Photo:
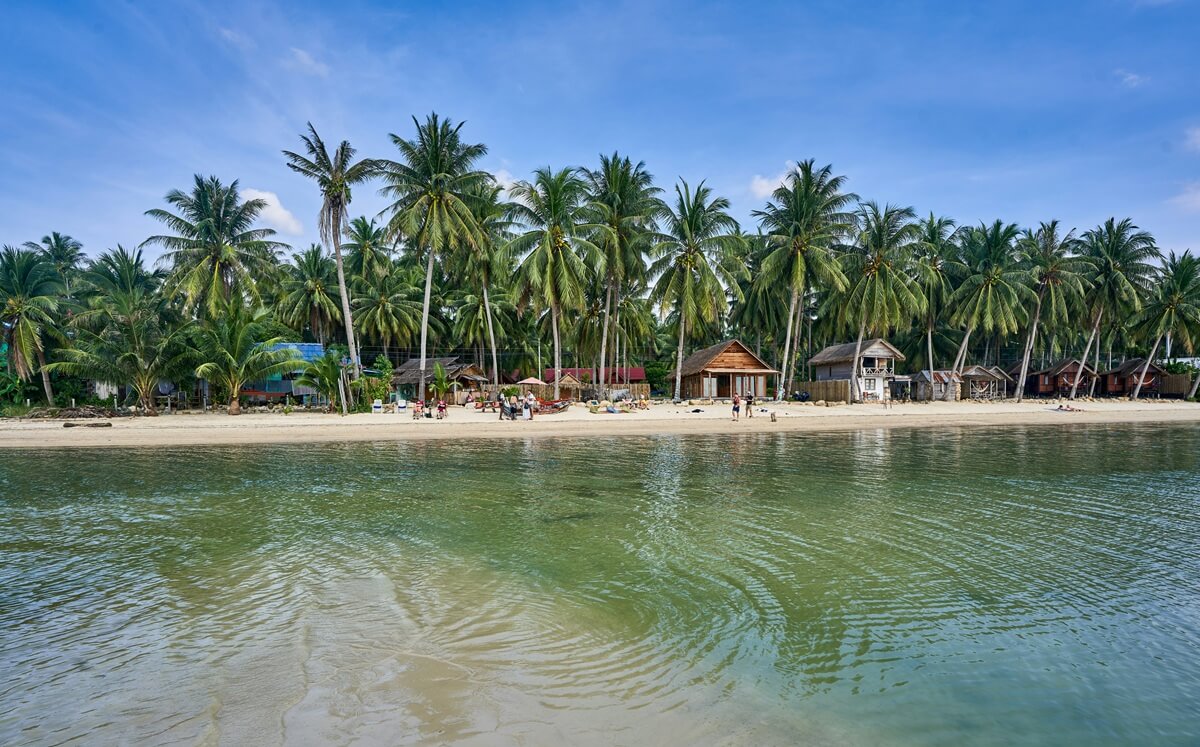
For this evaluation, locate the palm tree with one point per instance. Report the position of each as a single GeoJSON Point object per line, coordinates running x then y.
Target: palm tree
{"type": "Point", "coordinates": [481, 266]}
{"type": "Point", "coordinates": [803, 219]}
{"type": "Point", "coordinates": [62, 251]}
{"type": "Point", "coordinates": [1056, 272]}
{"type": "Point", "coordinates": [882, 292]}
{"type": "Point", "coordinates": [235, 352]}
{"type": "Point", "coordinates": [335, 176]}
{"type": "Point", "coordinates": [367, 250]}
{"type": "Point", "coordinates": [127, 339]}
{"type": "Point", "coordinates": [693, 262]}
{"type": "Point", "coordinates": [324, 375]}
{"type": "Point", "coordinates": [557, 247]}
{"type": "Point", "coordinates": [1120, 256]}
{"type": "Point", "coordinates": [938, 266]}
{"type": "Point", "coordinates": [386, 309]}
{"type": "Point", "coordinates": [308, 293]}
{"type": "Point", "coordinates": [625, 200]}
{"type": "Point", "coordinates": [120, 271]}
{"type": "Point", "coordinates": [992, 295]}
{"type": "Point", "coordinates": [215, 252]}
{"type": "Point", "coordinates": [29, 291]}
{"type": "Point", "coordinates": [1173, 309]}
{"type": "Point", "coordinates": [431, 185]}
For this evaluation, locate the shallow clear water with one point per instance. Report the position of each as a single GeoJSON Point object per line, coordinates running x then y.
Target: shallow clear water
{"type": "Point", "coordinates": [944, 587]}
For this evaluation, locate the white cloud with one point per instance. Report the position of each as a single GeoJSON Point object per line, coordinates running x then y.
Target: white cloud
{"type": "Point", "coordinates": [234, 38]}
{"type": "Point", "coordinates": [304, 62]}
{"type": "Point", "coordinates": [762, 186]}
{"type": "Point", "coordinates": [1128, 79]}
{"type": "Point", "coordinates": [504, 178]}
{"type": "Point", "coordinates": [275, 214]}
{"type": "Point", "coordinates": [1191, 139]}
{"type": "Point", "coordinates": [1189, 199]}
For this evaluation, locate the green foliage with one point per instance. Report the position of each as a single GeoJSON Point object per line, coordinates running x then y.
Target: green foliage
{"type": "Point", "coordinates": [440, 385]}
{"type": "Point", "coordinates": [236, 351]}
{"type": "Point", "coordinates": [1179, 367]}
{"type": "Point", "coordinates": [323, 375]}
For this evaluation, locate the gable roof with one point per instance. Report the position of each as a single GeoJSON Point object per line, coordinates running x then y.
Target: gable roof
{"type": "Point", "coordinates": [845, 352]}
{"type": "Point", "coordinates": [1063, 365]}
{"type": "Point", "coordinates": [636, 373]}
{"type": "Point", "coordinates": [699, 360]}
{"type": "Point", "coordinates": [409, 372]}
{"type": "Point", "coordinates": [1133, 366]}
{"type": "Point", "coordinates": [994, 373]}
{"type": "Point", "coordinates": [942, 376]}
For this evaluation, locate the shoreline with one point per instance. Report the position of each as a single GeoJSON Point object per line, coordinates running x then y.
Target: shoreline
{"type": "Point", "coordinates": [663, 419]}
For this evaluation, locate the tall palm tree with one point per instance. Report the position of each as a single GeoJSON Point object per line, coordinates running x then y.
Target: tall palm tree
{"type": "Point", "coordinates": [882, 289]}
{"type": "Point", "coordinates": [993, 294]}
{"type": "Point", "coordinates": [215, 252]}
{"type": "Point", "coordinates": [488, 264]}
{"type": "Point", "coordinates": [387, 310]}
{"type": "Point", "coordinates": [367, 250]}
{"type": "Point", "coordinates": [236, 350]}
{"type": "Point", "coordinates": [802, 221]}
{"type": "Point", "coordinates": [431, 187]}
{"type": "Point", "coordinates": [1056, 272]}
{"type": "Point", "coordinates": [309, 294]}
{"type": "Point", "coordinates": [121, 271]}
{"type": "Point", "coordinates": [938, 267]}
{"type": "Point", "coordinates": [29, 292]}
{"type": "Point", "coordinates": [335, 176]}
{"type": "Point", "coordinates": [62, 251]}
{"type": "Point", "coordinates": [693, 263]}
{"type": "Point", "coordinates": [1173, 309]}
{"type": "Point", "coordinates": [1120, 255]}
{"type": "Point", "coordinates": [556, 245]}
{"type": "Point", "coordinates": [625, 200]}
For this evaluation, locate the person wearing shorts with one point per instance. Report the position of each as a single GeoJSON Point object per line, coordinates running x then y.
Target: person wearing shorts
{"type": "Point", "coordinates": [737, 406]}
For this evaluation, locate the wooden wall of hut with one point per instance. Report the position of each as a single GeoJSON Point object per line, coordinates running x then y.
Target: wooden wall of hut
{"type": "Point", "coordinates": [1174, 385]}
{"type": "Point", "coordinates": [830, 390]}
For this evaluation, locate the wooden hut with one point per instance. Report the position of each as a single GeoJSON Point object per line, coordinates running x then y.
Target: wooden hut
{"type": "Point", "coordinates": [723, 370]}
{"type": "Point", "coordinates": [1121, 381]}
{"type": "Point", "coordinates": [464, 377]}
{"type": "Point", "coordinates": [982, 382]}
{"type": "Point", "coordinates": [876, 366]}
{"type": "Point", "coordinates": [943, 385]}
{"type": "Point", "coordinates": [1057, 379]}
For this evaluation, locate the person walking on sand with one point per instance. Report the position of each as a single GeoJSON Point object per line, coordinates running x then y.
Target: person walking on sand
{"type": "Point", "coordinates": [737, 406]}
{"type": "Point", "coordinates": [750, 405]}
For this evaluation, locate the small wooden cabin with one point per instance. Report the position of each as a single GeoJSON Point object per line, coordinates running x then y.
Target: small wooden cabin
{"type": "Point", "coordinates": [723, 370]}
{"type": "Point", "coordinates": [1121, 381]}
{"type": "Point", "coordinates": [876, 364]}
{"type": "Point", "coordinates": [1056, 380]}
{"type": "Point", "coordinates": [929, 386]}
{"type": "Point", "coordinates": [982, 382]}
{"type": "Point", "coordinates": [464, 377]}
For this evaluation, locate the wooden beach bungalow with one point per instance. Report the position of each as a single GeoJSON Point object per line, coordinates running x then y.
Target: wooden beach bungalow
{"type": "Point", "coordinates": [464, 377]}
{"type": "Point", "coordinates": [985, 383]}
{"type": "Point", "coordinates": [723, 370]}
{"type": "Point", "coordinates": [1121, 381]}
{"type": "Point", "coordinates": [938, 385]}
{"type": "Point", "coordinates": [876, 366]}
{"type": "Point", "coordinates": [1056, 380]}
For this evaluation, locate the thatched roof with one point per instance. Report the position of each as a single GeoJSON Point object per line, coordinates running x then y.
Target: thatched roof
{"type": "Point", "coordinates": [700, 360]}
{"type": "Point", "coordinates": [943, 376]}
{"type": "Point", "coordinates": [844, 353]}
{"type": "Point", "coordinates": [1133, 367]}
{"type": "Point", "coordinates": [409, 372]}
{"type": "Point", "coordinates": [994, 373]}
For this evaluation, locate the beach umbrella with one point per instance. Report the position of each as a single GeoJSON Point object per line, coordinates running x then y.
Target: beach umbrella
{"type": "Point", "coordinates": [531, 381]}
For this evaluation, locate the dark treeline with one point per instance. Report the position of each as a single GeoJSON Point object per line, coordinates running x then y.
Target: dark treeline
{"type": "Point", "coordinates": [583, 266]}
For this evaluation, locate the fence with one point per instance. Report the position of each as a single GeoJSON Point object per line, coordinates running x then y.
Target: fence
{"type": "Point", "coordinates": [1175, 385]}
{"type": "Point", "coordinates": [832, 390]}
{"type": "Point", "coordinates": [546, 391]}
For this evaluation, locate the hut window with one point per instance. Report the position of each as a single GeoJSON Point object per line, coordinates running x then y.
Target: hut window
{"type": "Point", "coordinates": [710, 387]}
{"type": "Point", "coordinates": [869, 384]}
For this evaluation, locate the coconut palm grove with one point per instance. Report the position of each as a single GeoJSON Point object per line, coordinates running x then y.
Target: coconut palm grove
{"type": "Point", "coordinates": [594, 266]}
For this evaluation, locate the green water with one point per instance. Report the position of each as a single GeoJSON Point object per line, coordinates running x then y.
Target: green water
{"type": "Point", "coordinates": [902, 587]}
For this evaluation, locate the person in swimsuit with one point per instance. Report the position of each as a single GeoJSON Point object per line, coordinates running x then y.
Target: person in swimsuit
{"type": "Point", "coordinates": [737, 406]}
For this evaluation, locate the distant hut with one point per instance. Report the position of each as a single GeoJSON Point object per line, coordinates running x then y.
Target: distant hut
{"type": "Point", "coordinates": [876, 366]}
{"type": "Point", "coordinates": [940, 385]}
{"type": "Point", "coordinates": [723, 370]}
{"type": "Point", "coordinates": [1058, 379]}
{"type": "Point", "coordinates": [464, 377]}
{"type": "Point", "coordinates": [1121, 381]}
{"type": "Point", "coordinates": [984, 383]}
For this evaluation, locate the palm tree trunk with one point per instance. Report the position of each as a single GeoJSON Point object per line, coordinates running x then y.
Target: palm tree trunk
{"type": "Point", "coordinates": [557, 349]}
{"type": "Point", "coordinates": [784, 367]}
{"type": "Point", "coordinates": [929, 355]}
{"type": "Point", "coordinates": [425, 321]}
{"type": "Point", "coordinates": [1033, 328]}
{"type": "Point", "coordinates": [959, 359]}
{"type": "Point", "coordinates": [487, 308]}
{"type": "Point", "coordinates": [855, 392]}
{"type": "Point", "coordinates": [1092, 386]}
{"type": "Point", "coordinates": [41, 356]}
{"type": "Point", "coordinates": [1195, 386]}
{"type": "Point", "coordinates": [1153, 352]}
{"type": "Point", "coordinates": [335, 233]}
{"type": "Point", "coordinates": [235, 406]}
{"type": "Point", "coordinates": [679, 358]}
{"type": "Point", "coordinates": [604, 339]}
{"type": "Point", "coordinates": [795, 344]}
{"type": "Point", "coordinates": [1087, 349]}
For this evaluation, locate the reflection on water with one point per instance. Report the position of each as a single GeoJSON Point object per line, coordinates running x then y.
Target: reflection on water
{"type": "Point", "coordinates": [871, 587]}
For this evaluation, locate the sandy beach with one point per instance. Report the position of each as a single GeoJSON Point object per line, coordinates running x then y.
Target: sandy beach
{"type": "Point", "coordinates": [222, 429]}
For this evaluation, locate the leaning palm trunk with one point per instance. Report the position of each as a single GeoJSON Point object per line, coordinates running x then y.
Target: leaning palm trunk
{"type": "Point", "coordinates": [855, 392]}
{"type": "Point", "coordinates": [1033, 328]}
{"type": "Point", "coordinates": [557, 348]}
{"type": "Point", "coordinates": [1137, 389]}
{"type": "Point", "coordinates": [41, 356]}
{"type": "Point", "coordinates": [959, 360]}
{"type": "Point", "coordinates": [785, 365]}
{"type": "Point", "coordinates": [1087, 349]}
{"type": "Point", "coordinates": [345, 293]}
{"type": "Point", "coordinates": [1096, 366]}
{"type": "Point", "coordinates": [425, 320]}
{"type": "Point", "coordinates": [487, 309]}
{"type": "Point", "coordinates": [604, 343]}
{"type": "Point", "coordinates": [679, 359]}
{"type": "Point", "coordinates": [1195, 386]}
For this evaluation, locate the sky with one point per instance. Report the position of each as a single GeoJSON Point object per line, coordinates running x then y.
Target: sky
{"type": "Point", "coordinates": [1022, 111]}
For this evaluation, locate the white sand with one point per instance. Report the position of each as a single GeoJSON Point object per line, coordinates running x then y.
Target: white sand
{"type": "Point", "coordinates": [183, 429]}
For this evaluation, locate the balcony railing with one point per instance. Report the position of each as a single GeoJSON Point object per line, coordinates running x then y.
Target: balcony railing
{"type": "Point", "coordinates": [876, 371]}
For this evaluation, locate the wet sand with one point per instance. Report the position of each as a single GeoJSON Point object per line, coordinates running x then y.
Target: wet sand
{"type": "Point", "coordinates": [309, 427]}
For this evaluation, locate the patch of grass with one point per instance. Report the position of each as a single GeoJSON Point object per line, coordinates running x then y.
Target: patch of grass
{"type": "Point", "coordinates": [15, 411]}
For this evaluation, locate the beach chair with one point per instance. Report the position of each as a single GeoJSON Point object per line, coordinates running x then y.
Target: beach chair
{"type": "Point", "coordinates": [377, 407]}
{"type": "Point", "coordinates": [401, 405]}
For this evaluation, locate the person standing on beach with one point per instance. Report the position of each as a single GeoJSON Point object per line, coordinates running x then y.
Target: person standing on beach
{"type": "Point", "coordinates": [750, 405]}
{"type": "Point", "coordinates": [737, 406]}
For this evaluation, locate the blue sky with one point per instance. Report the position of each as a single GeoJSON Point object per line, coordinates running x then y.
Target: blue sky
{"type": "Point", "coordinates": [1012, 110]}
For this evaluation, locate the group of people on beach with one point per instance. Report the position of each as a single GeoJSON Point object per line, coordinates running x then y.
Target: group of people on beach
{"type": "Point", "coordinates": [737, 406]}
{"type": "Point", "coordinates": [419, 409]}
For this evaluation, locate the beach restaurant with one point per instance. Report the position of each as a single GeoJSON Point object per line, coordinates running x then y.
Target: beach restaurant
{"type": "Point", "coordinates": [722, 370]}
